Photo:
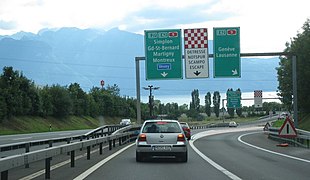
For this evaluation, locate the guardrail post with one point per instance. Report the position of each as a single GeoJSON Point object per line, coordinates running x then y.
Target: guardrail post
{"type": "Point", "coordinates": [120, 141]}
{"type": "Point", "coordinates": [5, 175]}
{"type": "Point", "coordinates": [81, 139]}
{"type": "Point", "coordinates": [110, 144]}
{"type": "Point", "coordinates": [100, 148]}
{"type": "Point", "coordinates": [27, 149]}
{"type": "Point", "coordinates": [72, 158]}
{"type": "Point", "coordinates": [124, 139]}
{"type": "Point", "coordinates": [113, 142]}
{"type": "Point", "coordinates": [50, 143]}
{"type": "Point", "coordinates": [48, 168]}
{"type": "Point", "coordinates": [88, 152]}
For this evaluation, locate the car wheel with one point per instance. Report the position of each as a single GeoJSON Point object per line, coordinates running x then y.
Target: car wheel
{"type": "Point", "coordinates": [138, 157]}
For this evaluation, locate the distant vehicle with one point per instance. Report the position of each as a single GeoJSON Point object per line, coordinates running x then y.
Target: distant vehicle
{"type": "Point", "coordinates": [186, 130]}
{"type": "Point", "coordinates": [232, 124]}
{"type": "Point", "coordinates": [161, 139]}
{"type": "Point", "coordinates": [283, 115]}
{"type": "Point", "coordinates": [125, 122]}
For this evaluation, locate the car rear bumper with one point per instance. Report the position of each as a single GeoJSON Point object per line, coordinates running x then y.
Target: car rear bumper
{"type": "Point", "coordinates": [172, 148]}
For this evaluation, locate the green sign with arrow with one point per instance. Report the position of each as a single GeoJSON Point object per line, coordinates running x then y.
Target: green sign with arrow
{"type": "Point", "coordinates": [163, 52]}
{"type": "Point", "coordinates": [233, 99]}
{"type": "Point", "coordinates": [226, 43]}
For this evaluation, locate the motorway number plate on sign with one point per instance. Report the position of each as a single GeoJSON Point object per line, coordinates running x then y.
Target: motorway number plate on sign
{"type": "Point", "coordinates": [161, 148]}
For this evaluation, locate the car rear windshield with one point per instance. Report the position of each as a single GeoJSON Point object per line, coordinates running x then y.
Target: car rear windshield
{"type": "Point", "coordinates": [161, 127]}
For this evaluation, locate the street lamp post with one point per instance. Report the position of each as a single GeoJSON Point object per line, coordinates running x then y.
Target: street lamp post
{"type": "Point", "coordinates": [151, 98]}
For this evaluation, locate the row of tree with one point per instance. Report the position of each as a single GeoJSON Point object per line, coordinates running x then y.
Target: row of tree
{"type": "Point", "coordinates": [299, 46]}
{"type": "Point", "coordinates": [20, 96]}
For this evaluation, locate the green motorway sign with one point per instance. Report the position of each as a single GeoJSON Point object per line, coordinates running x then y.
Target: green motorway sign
{"type": "Point", "coordinates": [233, 99]}
{"type": "Point", "coordinates": [226, 45]}
{"type": "Point", "coordinates": [163, 53]}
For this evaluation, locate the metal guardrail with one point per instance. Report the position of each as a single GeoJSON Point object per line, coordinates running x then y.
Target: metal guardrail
{"type": "Point", "coordinates": [302, 139]}
{"type": "Point", "coordinates": [100, 131]}
{"type": "Point", "coordinates": [205, 126]}
{"type": "Point", "coordinates": [123, 135]}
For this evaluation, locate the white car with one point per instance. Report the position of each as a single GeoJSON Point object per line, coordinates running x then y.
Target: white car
{"type": "Point", "coordinates": [232, 124]}
{"type": "Point", "coordinates": [161, 139]}
{"type": "Point", "coordinates": [283, 115]}
{"type": "Point", "coordinates": [125, 122]}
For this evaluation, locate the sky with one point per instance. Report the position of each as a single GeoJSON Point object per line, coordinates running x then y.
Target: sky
{"type": "Point", "coordinates": [265, 25]}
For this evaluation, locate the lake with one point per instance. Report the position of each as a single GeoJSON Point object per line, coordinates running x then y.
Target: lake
{"type": "Point", "coordinates": [186, 99]}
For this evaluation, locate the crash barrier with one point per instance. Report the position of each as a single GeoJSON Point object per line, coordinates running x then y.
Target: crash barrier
{"type": "Point", "coordinates": [205, 126]}
{"type": "Point", "coordinates": [98, 132]}
{"type": "Point", "coordinates": [302, 139]}
{"type": "Point", "coordinates": [123, 135]}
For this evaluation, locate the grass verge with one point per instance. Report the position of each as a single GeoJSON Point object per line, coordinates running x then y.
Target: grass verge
{"type": "Point", "coordinates": [30, 124]}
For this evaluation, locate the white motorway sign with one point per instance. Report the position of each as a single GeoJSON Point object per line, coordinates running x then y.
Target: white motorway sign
{"type": "Point", "coordinates": [196, 53]}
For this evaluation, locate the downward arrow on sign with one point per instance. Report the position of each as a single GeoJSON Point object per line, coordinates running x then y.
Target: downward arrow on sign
{"type": "Point", "coordinates": [164, 74]}
{"type": "Point", "coordinates": [197, 73]}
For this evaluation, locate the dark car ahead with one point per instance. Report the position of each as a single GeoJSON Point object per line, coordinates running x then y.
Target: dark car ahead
{"type": "Point", "coordinates": [161, 139]}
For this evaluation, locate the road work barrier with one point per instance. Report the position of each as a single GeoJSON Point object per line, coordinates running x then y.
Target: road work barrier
{"type": "Point", "coordinates": [302, 139]}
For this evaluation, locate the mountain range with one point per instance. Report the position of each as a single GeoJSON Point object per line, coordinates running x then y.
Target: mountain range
{"type": "Point", "coordinates": [87, 56]}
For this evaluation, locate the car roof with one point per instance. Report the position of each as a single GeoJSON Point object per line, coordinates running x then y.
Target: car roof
{"type": "Point", "coordinates": [158, 120]}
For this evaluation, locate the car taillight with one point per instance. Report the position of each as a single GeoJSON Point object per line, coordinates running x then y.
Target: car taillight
{"type": "Point", "coordinates": [181, 137]}
{"type": "Point", "coordinates": [142, 137]}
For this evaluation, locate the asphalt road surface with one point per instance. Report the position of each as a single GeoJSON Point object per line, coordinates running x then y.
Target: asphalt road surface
{"type": "Point", "coordinates": [228, 155]}
{"type": "Point", "coordinates": [224, 153]}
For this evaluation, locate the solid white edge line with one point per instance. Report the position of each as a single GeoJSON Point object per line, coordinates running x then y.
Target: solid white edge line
{"type": "Point", "coordinates": [269, 151]}
{"type": "Point", "coordinates": [99, 164]}
{"type": "Point", "coordinates": [214, 164]}
{"type": "Point", "coordinates": [41, 172]}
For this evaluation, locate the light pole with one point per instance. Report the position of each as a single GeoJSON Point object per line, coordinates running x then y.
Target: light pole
{"type": "Point", "coordinates": [151, 98]}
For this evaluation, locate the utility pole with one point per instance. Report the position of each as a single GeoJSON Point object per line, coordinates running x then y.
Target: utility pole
{"type": "Point", "coordinates": [151, 98]}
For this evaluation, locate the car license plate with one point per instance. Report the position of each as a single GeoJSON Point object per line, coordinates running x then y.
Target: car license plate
{"type": "Point", "coordinates": [162, 148]}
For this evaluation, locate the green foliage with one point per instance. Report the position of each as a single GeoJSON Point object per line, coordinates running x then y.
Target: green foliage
{"type": "Point", "coordinates": [299, 46]}
{"type": "Point", "coordinates": [194, 104]}
{"type": "Point", "coordinates": [208, 104]}
{"type": "Point", "coordinates": [18, 94]}
{"type": "Point", "coordinates": [239, 112]}
{"type": "Point", "coordinates": [231, 112]}
{"type": "Point", "coordinates": [216, 103]}
{"type": "Point", "coordinates": [61, 101]}
{"type": "Point", "coordinates": [19, 97]}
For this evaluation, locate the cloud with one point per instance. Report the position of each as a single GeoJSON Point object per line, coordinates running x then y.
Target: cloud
{"type": "Point", "coordinates": [156, 17]}
{"type": "Point", "coordinates": [7, 25]}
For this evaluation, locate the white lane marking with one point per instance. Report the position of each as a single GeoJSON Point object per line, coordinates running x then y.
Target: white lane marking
{"type": "Point", "coordinates": [210, 161]}
{"type": "Point", "coordinates": [99, 164]}
{"type": "Point", "coordinates": [41, 172]}
{"type": "Point", "coordinates": [269, 151]}
{"type": "Point", "coordinates": [214, 164]}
